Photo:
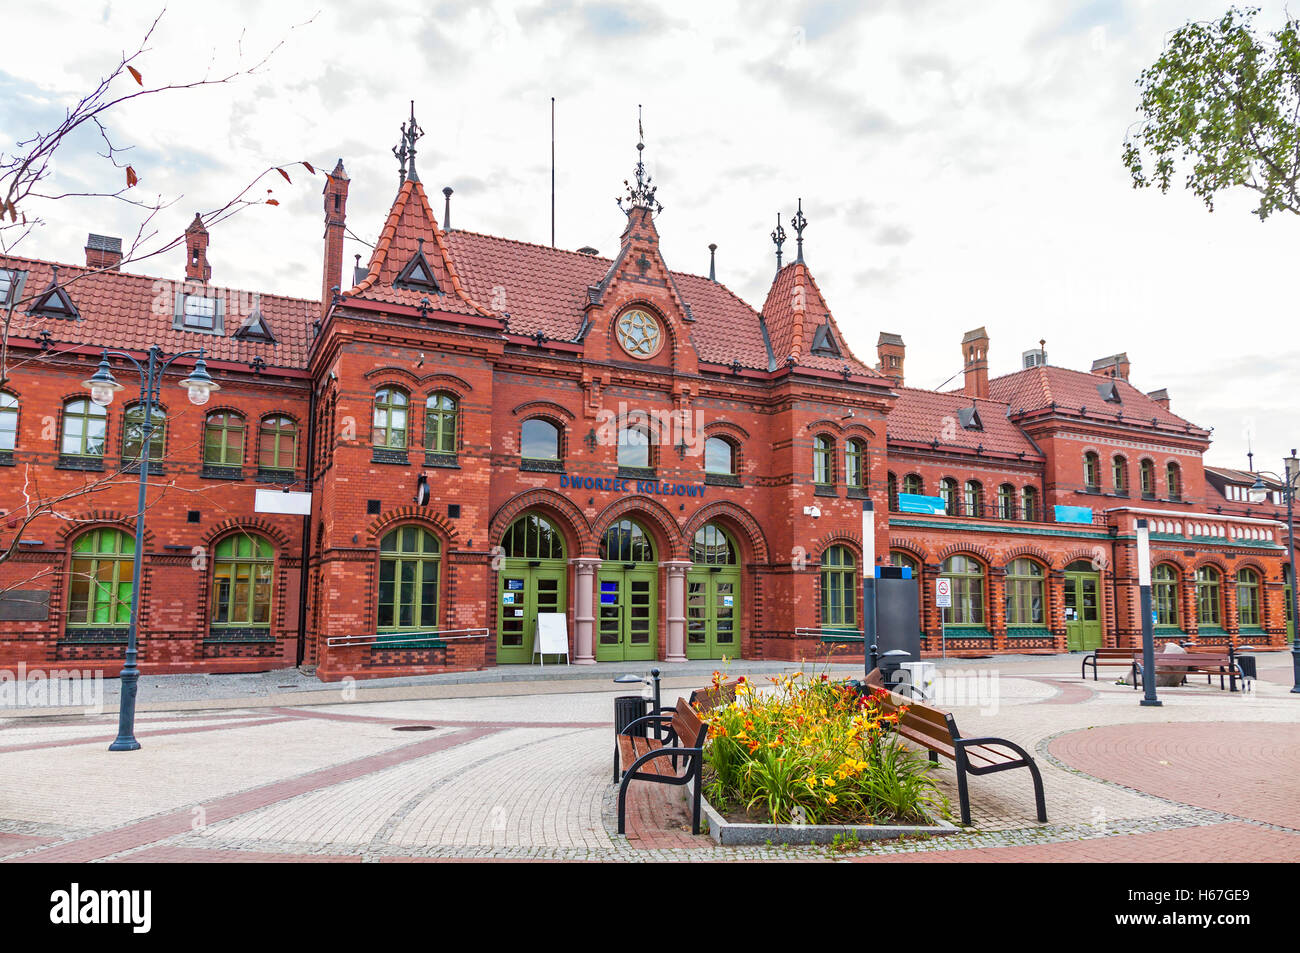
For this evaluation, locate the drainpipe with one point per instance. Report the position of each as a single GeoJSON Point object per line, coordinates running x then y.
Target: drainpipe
{"type": "Point", "coordinates": [306, 530]}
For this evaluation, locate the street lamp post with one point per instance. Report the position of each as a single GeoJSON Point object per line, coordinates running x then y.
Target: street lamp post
{"type": "Point", "coordinates": [1258, 494]}
{"type": "Point", "coordinates": [1149, 699]}
{"type": "Point", "coordinates": [102, 387]}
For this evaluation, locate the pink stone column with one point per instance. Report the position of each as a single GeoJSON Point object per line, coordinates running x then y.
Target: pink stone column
{"type": "Point", "coordinates": [676, 610]}
{"type": "Point", "coordinates": [584, 621]}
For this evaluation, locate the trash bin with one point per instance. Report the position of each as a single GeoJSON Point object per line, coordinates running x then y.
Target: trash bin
{"type": "Point", "coordinates": [627, 709]}
{"type": "Point", "coordinates": [1248, 668]}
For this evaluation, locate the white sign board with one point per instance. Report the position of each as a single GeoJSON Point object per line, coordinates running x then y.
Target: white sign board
{"type": "Point", "coordinates": [290, 502]}
{"type": "Point", "coordinates": [552, 635]}
{"type": "Point", "coordinates": [943, 593]}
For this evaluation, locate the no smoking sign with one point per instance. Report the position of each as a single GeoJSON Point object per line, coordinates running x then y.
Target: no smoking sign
{"type": "Point", "coordinates": [943, 593]}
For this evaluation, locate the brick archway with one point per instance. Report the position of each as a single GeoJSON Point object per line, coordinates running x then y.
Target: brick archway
{"type": "Point", "coordinates": [735, 518]}
{"type": "Point", "coordinates": [653, 515]}
{"type": "Point", "coordinates": [568, 518]}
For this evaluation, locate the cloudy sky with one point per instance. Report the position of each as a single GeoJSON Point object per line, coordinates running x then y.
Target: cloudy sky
{"type": "Point", "coordinates": [959, 163]}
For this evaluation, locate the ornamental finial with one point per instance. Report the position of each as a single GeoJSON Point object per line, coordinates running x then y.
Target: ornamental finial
{"type": "Point", "coordinates": [641, 195]}
{"type": "Point", "coordinates": [799, 223]}
{"type": "Point", "coordinates": [778, 238]}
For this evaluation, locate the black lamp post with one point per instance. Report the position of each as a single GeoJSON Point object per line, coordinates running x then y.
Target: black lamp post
{"type": "Point", "coordinates": [1258, 494]}
{"type": "Point", "coordinates": [102, 387]}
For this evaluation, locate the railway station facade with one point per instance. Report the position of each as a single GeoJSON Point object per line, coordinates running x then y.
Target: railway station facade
{"type": "Point", "coordinates": [479, 429]}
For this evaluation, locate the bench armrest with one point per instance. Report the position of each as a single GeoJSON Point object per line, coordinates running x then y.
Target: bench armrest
{"type": "Point", "coordinates": [964, 742]}
{"type": "Point", "coordinates": [647, 719]}
{"type": "Point", "coordinates": [664, 753]}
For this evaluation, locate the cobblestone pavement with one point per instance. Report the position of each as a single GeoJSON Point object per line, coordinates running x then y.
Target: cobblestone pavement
{"type": "Point", "coordinates": [522, 771]}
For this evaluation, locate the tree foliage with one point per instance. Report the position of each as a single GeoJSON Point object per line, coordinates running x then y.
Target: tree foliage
{"type": "Point", "coordinates": [1224, 105]}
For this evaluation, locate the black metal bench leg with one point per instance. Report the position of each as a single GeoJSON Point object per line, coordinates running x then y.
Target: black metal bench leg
{"type": "Point", "coordinates": [934, 757]}
{"type": "Point", "coordinates": [695, 807]}
{"type": "Point", "coordinates": [616, 761]}
{"type": "Point", "coordinates": [1038, 792]}
{"type": "Point", "coordinates": [963, 795]}
{"type": "Point", "coordinates": [622, 805]}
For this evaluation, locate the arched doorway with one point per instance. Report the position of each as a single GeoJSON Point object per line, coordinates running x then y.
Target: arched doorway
{"type": "Point", "coordinates": [1082, 607]}
{"type": "Point", "coordinates": [627, 595]}
{"type": "Point", "coordinates": [533, 579]}
{"type": "Point", "coordinates": [713, 595]}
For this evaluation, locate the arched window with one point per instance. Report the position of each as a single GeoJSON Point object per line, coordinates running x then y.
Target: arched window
{"type": "Point", "coordinates": [948, 493]}
{"type": "Point", "coordinates": [1147, 473]}
{"type": "Point", "coordinates": [626, 542]}
{"type": "Point", "coordinates": [967, 578]}
{"type": "Point", "coordinates": [855, 458]}
{"type": "Point", "coordinates": [1025, 592]}
{"type": "Point", "coordinates": [99, 584]}
{"type": "Point", "coordinates": [1029, 503]}
{"type": "Point", "coordinates": [892, 490]}
{"type": "Point", "coordinates": [897, 558]}
{"type": "Point", "coordinates": [1174, 481]}
{"type": "Point", "coordinates": [390, 418]}
{"type": "Point", "coordinates": [912, 483]}
{"type": "Point", "coordinates": [1091, 472]}
{"type": "Point", "coordinates": [409, 560]}
{"type": "Point", "coordinates": [974, 498]}
{"type": "Point", "coordinates": [533, 537]}
{"type": "Point", "coordinates": [1164, 593]}
{"type": "Point", "coordinates": [719, 456]}
{"type": "Point", "coordinates": [712, 547]}
{"type": "Point", "coordinates": [277, 447]}
{"type": "Point", "coordinates": [133, 434]}
{"type": "Point", "coordinates": [1119, 474]}
{"type": "Point", "coordinates": [1209, 607]}
{"type": "Point", "coordinates": [8, 421]}
{"type": "Point", "coordinates": [85, 429]}
{"type": "Point", "coordinates": [1248, 614]}
{"type": "Point", "coordinates": [539, 440]}
{"type": "Point", "coordinates": [243, 567]}
{"type": "Point", "coordinates": [440, 423]}
{"type": "Point", "coordinates": [633, 448]}
{"type": "Point", "coordinates": [823, 460]}
{"type": "Point", "coordinates": [1006, 502]}
{"type": "Point", "coordinates": [839, 578]}
{"type": "Point", "coordinates": [223, 439]}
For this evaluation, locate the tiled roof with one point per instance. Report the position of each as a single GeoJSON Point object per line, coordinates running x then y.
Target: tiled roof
{"type": "Point", "coordinates": [1240, 476]}
{"type": "Point", "coordinates": [794, 310]}
{"type": "Point", "coordinates": [1038, 387]}
{"type": "Point", "coordinates": [923, 416]}
{"type": "Point", "coordinates": [133, 312]}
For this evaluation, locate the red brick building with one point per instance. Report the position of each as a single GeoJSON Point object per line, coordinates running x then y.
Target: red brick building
{"type": "Point", "coordinates": [489, 429]}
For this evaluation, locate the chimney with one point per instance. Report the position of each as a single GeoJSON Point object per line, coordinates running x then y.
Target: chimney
{"type": "Point", "coordinates": [196, 251]}
{"type": "Point", "coordinates": [103, 252]}
{"type": "Point", "coordinates": [890, 352]}
{"type": "Point", "coordinates": [975, 358]}
{"type": "Point", "coordinates": [1161, 397]}
{"type": "Point", "coordinates": [336, 210]}
{"type": "Point", "coordinates": [1114, 366]}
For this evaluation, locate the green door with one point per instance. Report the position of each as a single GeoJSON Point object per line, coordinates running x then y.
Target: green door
{"type": "Point", "coordinates": [1082, 611]}
{"type": "Point", "coordinates": [533, 579]}
{"type": "Point", "coordinates": [712, 614]}
{"type": "Point", "coordinates": [626, 615]}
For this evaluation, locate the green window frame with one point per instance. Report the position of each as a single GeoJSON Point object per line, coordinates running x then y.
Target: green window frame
{"type": "Point", "coordinates": [441, 423]}
{"type": "Point", "coordinates": [243, 570]}
{"type": "Point", "coordinates": [948, 493]}
{"type": "Point", "coordinates": [1147, 474]}
{"type": "Point", "coordinates": [967, 578]}
{"type": "Point", "coordinates": [855, 452]}
{"type": "Point", "coordinates": [8, 421]}
{"type": "Point", "coordinates": [1248, 604]}
{"type": "Point", "coordinates": [719, 456]}
{"type": "Point", "coordinates": [1092, 472]}
{"type": "Point", "coordinates": [823, 460]}
{"type": "Point", "coordinates": [390, 418]}
{"type": "Point", "coordinates": [839, 579]}
{"type": "Point", "coordinates": [410, 559]}
{"type": "Point", "coordinates": [1029, 503]}
{"type": "Point", "coordinates": [973, 496]}
{"type": "Point", "coordinates": [100, 579]}
{"type": "Point", "coordinates": [912, 483]}
{"type": "Point", "coordinates": [1006, 502]}
{"type": "Point", "coordinates": [133, 434]}
{"type": "Point", "coordinates": [1119, 474]}
{"type": "Point", "coordinates": [1209, 606]}
{"type": "Point", "coordinates": [712, 546]}
{"type": "Point", "coordinates": [1025, 602]}
{"type": "Point", "coordinates": [1174, 481]}
{"type": "Point", "coordinates": [1164, 594]}
{"type": "Point", "coordinates": [891, 489]}
{"type": "Point", "coordinates": [85, 429]}
{"type": "Point", "coordinates": [277, 443]}
{"type": "Point", "coordinates": [533, 537]}
{"type": "Point", "coordinates": [224, 432]}
{"type": "Point", "coordinates": [626, 542]}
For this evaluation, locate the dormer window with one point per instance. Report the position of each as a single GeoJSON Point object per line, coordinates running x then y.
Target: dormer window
{"type": "Point", "coordinates": [199, 312]}
{"type": "Point", "coordinates": [824, 343]}
{"type": "Point", "coordinates": [1110, 392]}
{"type": "Point", "coordinates": [418, 273]}
{"type": "Point", "coordinates": [55, 303]}
{"type": "Point", "coordinates": [969, 418]}
{"type": "Point", "coordinates": [11, 286]}
{"type": "Point", "coordinates": [255, 327]}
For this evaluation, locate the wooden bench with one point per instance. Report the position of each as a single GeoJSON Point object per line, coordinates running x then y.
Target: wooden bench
{"type": "Point", "coordinates": [936, 731]}
{"type": "Point", "coordinates": [651, 759]}
{"type": "Point", "coordinates": [1122, 657]}
{"type": "Point", "coordinates": [715, 696]}
{"type": "Point", "coordinates": [1209, 664]}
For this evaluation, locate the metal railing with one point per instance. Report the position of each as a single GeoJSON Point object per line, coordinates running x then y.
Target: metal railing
{"type": "Point", "coordinates": [431, 635]}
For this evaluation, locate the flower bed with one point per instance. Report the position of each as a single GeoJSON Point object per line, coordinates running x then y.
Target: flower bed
{"type": "Point", "coordinates": [813, 751]}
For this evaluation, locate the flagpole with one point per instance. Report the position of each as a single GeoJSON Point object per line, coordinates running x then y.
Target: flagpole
{"type": "Point", "coordinates": [552, 171]}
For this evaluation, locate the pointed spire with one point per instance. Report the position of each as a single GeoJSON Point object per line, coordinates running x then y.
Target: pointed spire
{"type": "Point", "coordinates": [404, 152]}
{"type": "Point", "coordinates": [799, 223]}
{"type": "Point", "coordinates": [642, 195]}
{"type": "Point", "coordinates": [778, 238]}
{"type": "Point", "coordinates": [713, 270]}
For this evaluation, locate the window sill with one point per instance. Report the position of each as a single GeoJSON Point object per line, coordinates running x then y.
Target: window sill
{"type": "Point", "coordinates": [542, 466]}
{"type": "Point", "coordinates": [1028, 632]}
{"type": "Point", "coordinates": [79, 463]}
{"type": "Point", "coordinates": [6, 458]}
{"type": "Point", "coordinates": [386, 455]}
{"type": "Point", "coordinates": [217, 472]}
{"type": "Point", "coordinates": [399, 640]}
{"type": "Point", "coordinates": [721, 479]}
{"type": "Point", "coordinates": [151, 468]}
{"type": "Point", "coordinates": [274, 476]}
{"type": "Point", "coordinates": [239, 634]}
{"type": "Point", "coordinates": [92, 635]}
{"type": "Point", "coordinates": [636, 473]}
{"type": "Point", "coordinates": [820, 489]}
{"type": "Point", "coordinates": [857, 493]}
{"type": "Point", "coordinates": [433, 458]}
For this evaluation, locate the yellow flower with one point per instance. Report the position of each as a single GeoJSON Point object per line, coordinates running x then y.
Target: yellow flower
{"type": "Point", "coordinates": [831, 799]}
{"type": "Point", "coordinates": [828, 781]}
